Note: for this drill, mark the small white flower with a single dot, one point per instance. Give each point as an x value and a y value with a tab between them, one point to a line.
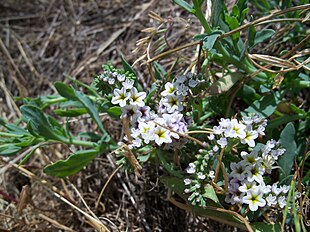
121	77
201	176
217	130
275	189
282	202
187	181
255	173
211	174
132	112
222	142
128	84
260	130
192	83
254	199
285	188
235	129
162	135
111	81
211	136
173	103
191	168
247	186
186	190
180	79
136	98
182	90
120	97
249	138
169	89
215	148
271	200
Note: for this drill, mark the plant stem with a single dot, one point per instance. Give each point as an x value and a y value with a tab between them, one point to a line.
80	143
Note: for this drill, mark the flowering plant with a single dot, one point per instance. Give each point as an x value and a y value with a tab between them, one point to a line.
243	167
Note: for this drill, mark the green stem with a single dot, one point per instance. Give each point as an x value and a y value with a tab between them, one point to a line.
81	143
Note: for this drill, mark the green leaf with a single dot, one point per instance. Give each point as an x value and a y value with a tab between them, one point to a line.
114	111
40	125
217	9
209	40
224	83
210	193
127	67
169	167
287	140
233	24
72	165
184	5
265	106
264	227
70	112
151	93
274	123
65	90
251	36
91	109
263	35
9	149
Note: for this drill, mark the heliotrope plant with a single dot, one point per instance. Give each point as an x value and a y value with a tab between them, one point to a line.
246	169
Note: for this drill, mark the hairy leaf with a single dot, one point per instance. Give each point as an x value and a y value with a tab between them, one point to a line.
72	165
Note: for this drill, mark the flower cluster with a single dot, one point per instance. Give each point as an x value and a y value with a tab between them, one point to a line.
246	130
201	175
246	182
164	124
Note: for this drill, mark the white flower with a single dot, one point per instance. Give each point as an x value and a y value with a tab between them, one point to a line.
285	188
147	131
180	79
215	148
260	130
275	189
173	103
169	89
121	77
271	200
254	199
224	122
247	186
182	90
249	138
120	97
191	168
238	171
201	176
187	181
136	98
217	130
211	136
255	173
211	174
192	83
128	84
235	129
222	142
111	81
247	120
250	159
282	202
132	112
162	135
